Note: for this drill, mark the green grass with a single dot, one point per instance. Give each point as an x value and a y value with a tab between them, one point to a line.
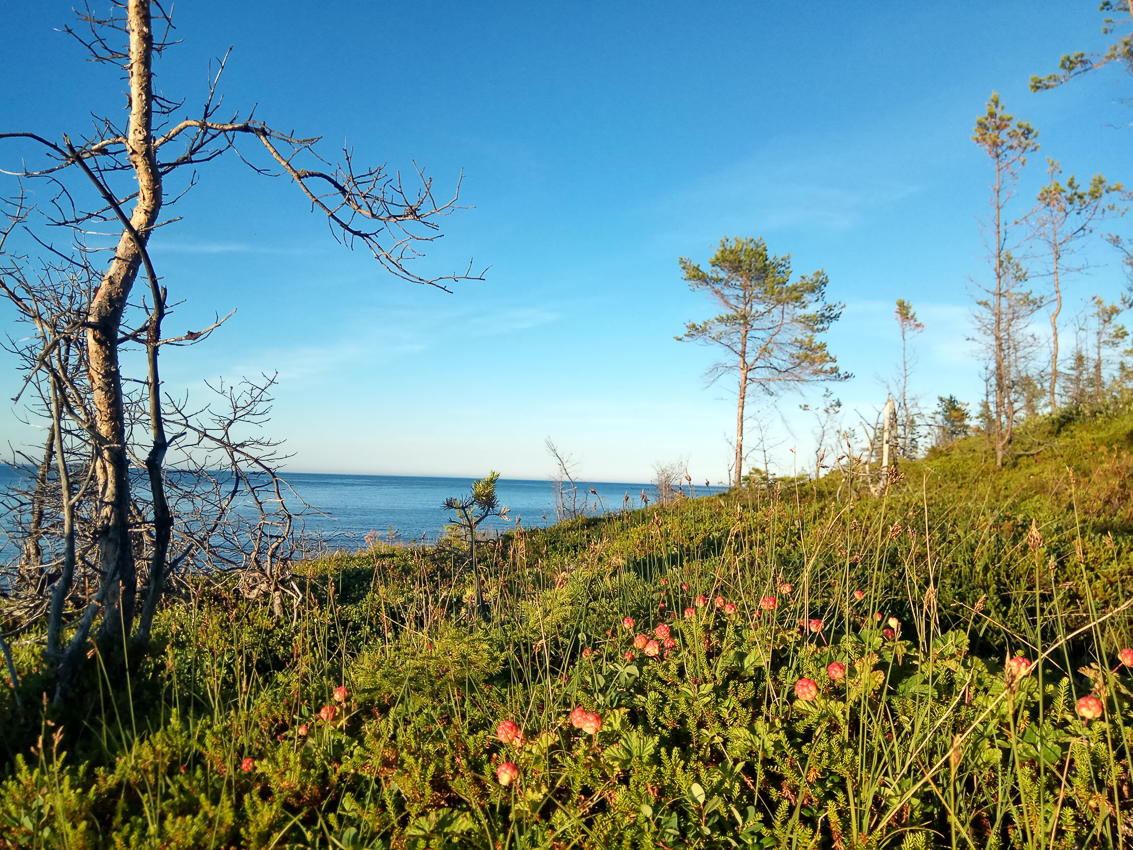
929	739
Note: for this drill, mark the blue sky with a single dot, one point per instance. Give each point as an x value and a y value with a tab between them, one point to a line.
599	143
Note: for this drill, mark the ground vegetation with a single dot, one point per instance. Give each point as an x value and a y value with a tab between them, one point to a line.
783	665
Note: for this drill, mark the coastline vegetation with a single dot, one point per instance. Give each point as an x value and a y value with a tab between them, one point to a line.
780	666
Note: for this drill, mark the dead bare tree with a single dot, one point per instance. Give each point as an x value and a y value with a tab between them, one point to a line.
884	438
565	488
667	480
828	424
126	178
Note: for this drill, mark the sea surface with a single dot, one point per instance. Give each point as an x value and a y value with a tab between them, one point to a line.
347	507
412	505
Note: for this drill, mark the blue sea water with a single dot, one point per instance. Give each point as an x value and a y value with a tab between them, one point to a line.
350	506
412	505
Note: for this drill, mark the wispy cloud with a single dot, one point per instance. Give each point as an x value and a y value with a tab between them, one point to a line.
200	247
299	363
518	319
790	185
207	247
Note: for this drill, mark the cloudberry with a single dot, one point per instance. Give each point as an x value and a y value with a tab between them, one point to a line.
1090	707
507	773
509	733
806	689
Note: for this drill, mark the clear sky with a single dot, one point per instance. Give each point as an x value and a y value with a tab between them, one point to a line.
599	143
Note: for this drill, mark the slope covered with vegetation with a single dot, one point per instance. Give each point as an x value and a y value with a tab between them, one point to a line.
793	666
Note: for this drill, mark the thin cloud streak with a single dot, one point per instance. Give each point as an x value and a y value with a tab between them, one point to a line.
224	248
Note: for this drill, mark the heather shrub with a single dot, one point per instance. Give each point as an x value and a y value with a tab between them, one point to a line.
773	667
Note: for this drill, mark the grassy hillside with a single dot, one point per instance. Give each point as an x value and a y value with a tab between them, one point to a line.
789	667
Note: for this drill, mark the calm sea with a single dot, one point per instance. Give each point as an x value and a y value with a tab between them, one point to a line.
411	505
352	505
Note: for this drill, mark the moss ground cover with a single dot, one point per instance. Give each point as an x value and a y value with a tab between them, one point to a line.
784	667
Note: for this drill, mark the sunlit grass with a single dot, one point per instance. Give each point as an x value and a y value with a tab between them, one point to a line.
921	670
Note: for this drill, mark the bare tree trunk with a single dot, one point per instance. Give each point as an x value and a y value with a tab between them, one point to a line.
1002	367
888	433
740	428
740	410
1011	368
155	460
1054	327
888	414
63	585
908	419
1098	361
32	560
104	319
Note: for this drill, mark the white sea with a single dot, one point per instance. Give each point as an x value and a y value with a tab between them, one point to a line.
347	507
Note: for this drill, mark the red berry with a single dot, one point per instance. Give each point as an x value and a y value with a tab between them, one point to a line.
858	595
1090	707
785	588
248	765
507	773
815	626
1017	667
1126	657
670	644
640	641
836	670
652	649
730	608
700	601
806	689
662	631
577	716
509	733
768	603
591	723
889	634
690	613
628	623
341	693
328	713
